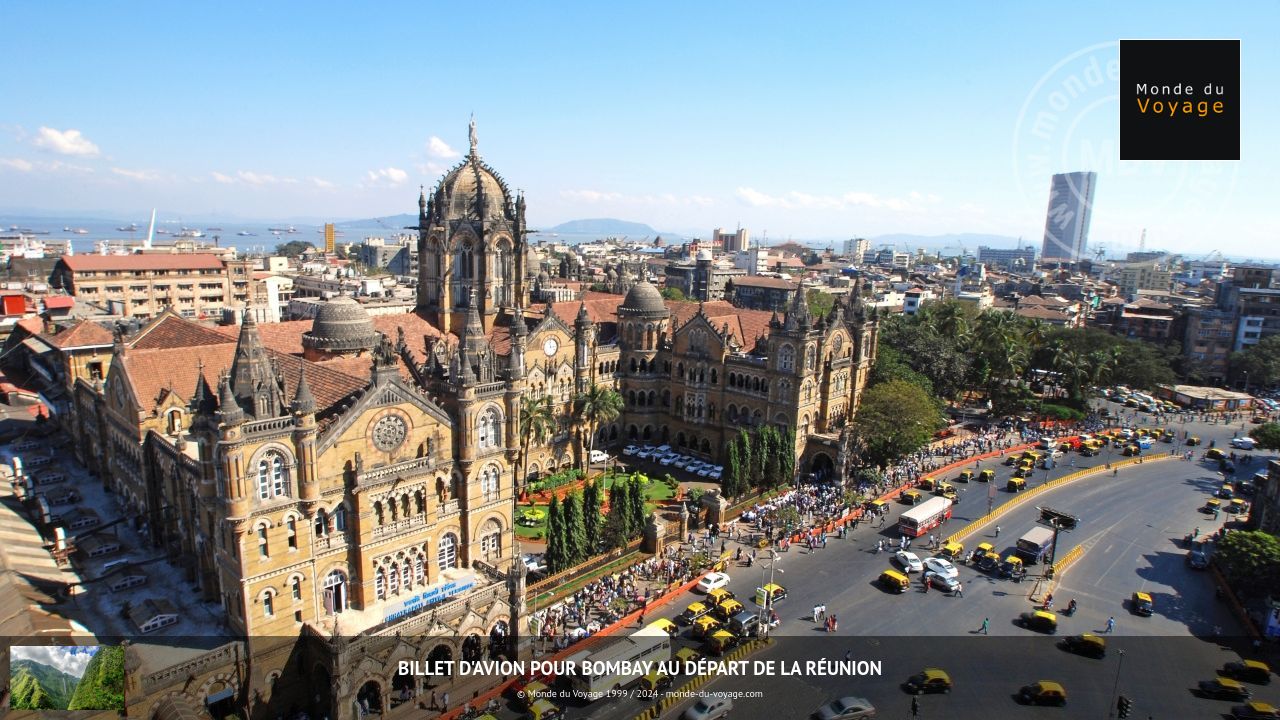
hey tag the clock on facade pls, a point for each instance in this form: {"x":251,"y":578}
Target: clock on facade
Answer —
{"x":550,"y":346}
{"x":389,"y":432}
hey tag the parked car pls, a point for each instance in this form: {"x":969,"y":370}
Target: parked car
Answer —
{"x":713,"y":581}
{"x":599,"y":456}
{"x":846,"y":708}
{"x":944,"y":583}
{"x":709,"y":708}
{"x":630,"y":450}
{"x":941,"y":566}
{"x":909,"y":561}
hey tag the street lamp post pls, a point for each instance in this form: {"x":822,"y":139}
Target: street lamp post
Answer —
{"x":1115,"y":689}
{"x":767,"y":605}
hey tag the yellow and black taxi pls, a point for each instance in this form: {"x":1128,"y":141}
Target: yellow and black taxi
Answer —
{"x":1252,"y":671}
{"x":987,"y":475}
{"x":544,"y":710}
{"x":894,"y":581}
{"x":1045,"y":692}
{"x":1193,"y":441}
{"x":687,"y":655}
{"x":770,"y":594}
{"x":695,"y":611}
{"x":1012,"y":460}
{"x":1132,"y":450}
{"x":666,"y":626}
{"x":951,"y":550}
{"x":926,"y":484}
{"x":911,"y":497}
{"x":1142,"y":604}
{"x":989,"y":561}
{"x":721,"y":642}
{"x":1016,"y":483}
{"x":1214,"y":454}
{"x":1086,"y":644}
{"x":1255,"y":711}
{"x":1224,"y":491}
{"x":728,"y":609}
{"x":1237,"y":506}
{"x":1039,"y":621}
{"x":654,"y":681}
{"x":1167,"y":436}
{"x":964,"y":476}
{"x":1022,"y":471}
{"x":1221,"y":688}
{"x":703,"y":626}
{"x":1211,"y":506}
{"x":929,"y":680}
{"x":948,"y":491}
{"x":717,"y":596}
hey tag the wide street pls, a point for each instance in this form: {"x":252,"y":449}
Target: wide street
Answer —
{"x":1131,"y":528}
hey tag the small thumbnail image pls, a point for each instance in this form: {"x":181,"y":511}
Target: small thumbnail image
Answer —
{"x":66,"y":677}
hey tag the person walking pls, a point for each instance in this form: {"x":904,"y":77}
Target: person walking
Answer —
{"x":959,"y":590}
{"x":997,"y":531}
{"x":444,"y":702}
{"x":816,"y":610}
{"x":1111,"y":624}
{"x":986,"y":626}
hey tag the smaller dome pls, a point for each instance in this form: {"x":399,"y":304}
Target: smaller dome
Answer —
{"x":341,"y":325}
{"x":644,"y":297}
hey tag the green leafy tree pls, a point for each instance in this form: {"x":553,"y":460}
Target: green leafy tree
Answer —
{"x":635,"y":508}
{"x":1250,"y":561}
{"x":557,"y":552}
{"x":746,"y":456}
{"x":596,"y":406}
{"x":592,"y":520}
{"x":820,"y":303}
{"x":787,"y":457}
{"x":673,"y":293}
{"x":575,"y":529}
{"x":760,"y":447}
{"x":1267,"y":436}
{"x":894,"y":420}
{"x":890,"y":365}
{"x":1259,"y":364}
{"x":731,"y":479}
{"x":617,"y":529}
{"x":293,"y":248}
{"x":773,"y":457}
{"x":537,"y":424}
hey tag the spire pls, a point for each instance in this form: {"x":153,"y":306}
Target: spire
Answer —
{"x":422,"y":201}
{"x":798,"y":317}
{"x":518,"y":327}
{"x":583,"y":318}
{"x":229,"y":411}
{"x":304,"y":403}
{"x":474,"y":327}
{"x":254,"y":380}
{"x":203,"y":399}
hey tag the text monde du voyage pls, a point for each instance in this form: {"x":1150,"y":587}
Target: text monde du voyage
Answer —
{"x":1179,"y":100}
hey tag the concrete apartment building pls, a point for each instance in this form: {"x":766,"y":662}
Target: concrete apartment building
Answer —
{"x":143,"y":285}
{"x":731,"y":242}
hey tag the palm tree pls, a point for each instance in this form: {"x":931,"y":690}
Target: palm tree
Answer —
{"x":537,"y":423}
{"x":597,"y":405}
{"x":949,"y":319}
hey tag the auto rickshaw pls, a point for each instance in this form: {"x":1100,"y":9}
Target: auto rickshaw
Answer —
{"x":1212,"y":506}
{"x":1132,"y":450}
{"x":987,"y":475}
{"x":703,"y":626}
{"x":666,"y":626}
{"x":770,"y":594}
{"x":947,"y":491}
{"x":1087,"y":644}
{"x":1015,"y":485}
{"x":1193,"y":441}
{"x":1012,"y":567}
{"x":1023,"y":472}
{"x":721,"y":641}
{"x":1238,"y":507}
{"x":728,"y":609}
{"x":717,"y":596}
{"x":926,"y":484}
{"x":544,"y":710}
{"x":655,"y":681}
{"x":695,"y":611}
{"x":964,"y":476}
{"x":1142,"y":604}
{"x":952,"y":550}
{"x":912,"y":497}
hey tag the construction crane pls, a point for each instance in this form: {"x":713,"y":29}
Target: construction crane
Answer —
{"x":1100,"y":253}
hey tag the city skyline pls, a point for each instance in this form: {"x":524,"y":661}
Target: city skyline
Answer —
{"x":805,"y":126}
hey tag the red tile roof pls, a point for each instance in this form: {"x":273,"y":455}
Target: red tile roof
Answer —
{"x":59,"y":302}
{"x":744,"y":325}
{"x":170,"y":330}
{"x":82,"y":334}
{"x":149,"y":261}
{"x":763,"y":281}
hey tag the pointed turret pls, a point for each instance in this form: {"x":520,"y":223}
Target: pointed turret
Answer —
{"x":798,"y":317}
{"x":203,"y":399}
{"x":254,"y":379}
{"x":304,"y":403}
{"x":229,"y":410}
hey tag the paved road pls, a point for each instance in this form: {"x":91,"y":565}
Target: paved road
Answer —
{"x":1129,"y":527}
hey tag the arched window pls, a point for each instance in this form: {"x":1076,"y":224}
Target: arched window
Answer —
{"x":273,"y":482}
{"x":810,"y":357}
{"x":786,"y":358}
{"x":489,"y":429}
{"x":418,"y":570}
{"x":269,"y":603}
{"x":465,"y":262}
{"x":263,"y":549}
{"x":713,"y":376}
{"x":291,"y":531}
{"x":335,"y":591}
{"x":296,"y":585}
{"x":491,"y":540}
{"x":393,"y":580}
{"x":322,"y":523}
{"x":447,"y":553}
{"x":380,"y":584}
{"x":340,"y":518}
{"x":489,"y":483}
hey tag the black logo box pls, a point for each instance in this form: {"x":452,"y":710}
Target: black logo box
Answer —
{"x":1154,"y":124}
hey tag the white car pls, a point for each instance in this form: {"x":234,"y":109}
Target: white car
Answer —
{"x":664,"y":449}
{"x":715,"y":474}
{"x":644,"y":453}
{"x":712,"y":707}
{"x":695,"y":466}
{"x":909,"y":561}
{"x":599,"y":456}
{"x":630,"y":450}
{"x":680,"y":461}
{"x":713,"y":581}
{"x":941,"y":566}
{"x":706,"y":471}
{"x":846,"y":708}
{"x":668,"y":459}
{"x":1243,"y":443}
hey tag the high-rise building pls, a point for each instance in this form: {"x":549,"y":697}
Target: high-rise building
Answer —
{"x":1019,"y":258}
{"x":856,"y":248}
{"x":731,"y":242}
{"x":1066,"y":225}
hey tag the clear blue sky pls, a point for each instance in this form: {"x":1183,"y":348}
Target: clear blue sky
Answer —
{"x":800,"y":120}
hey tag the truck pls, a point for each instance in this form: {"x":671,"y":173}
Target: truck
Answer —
{"x":1035,"y":544}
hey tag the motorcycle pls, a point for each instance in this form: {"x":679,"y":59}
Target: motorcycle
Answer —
{"x":1071,"y":609}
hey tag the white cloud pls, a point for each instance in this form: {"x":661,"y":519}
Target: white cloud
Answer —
{"x":390,"y":175}
{"x":322,"y":184}
{"x":224,"y":179}
{"x":136,"y":174}
{"x":259,"y":179}
{"x":796,"y":200}
{"x":69,"y":659}
{"x":590,"y":196}
{"x":65,"y":142}
{"x":16,"y":164}
{"x":438,"y":148}
{"x":659,"y":199}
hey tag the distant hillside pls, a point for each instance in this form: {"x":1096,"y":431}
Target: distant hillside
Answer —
{"x":102,"y":687}
{"x":36,"y":686}
{"x":395,"y":222}
{"x":602,"y":226}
